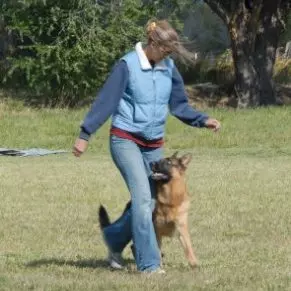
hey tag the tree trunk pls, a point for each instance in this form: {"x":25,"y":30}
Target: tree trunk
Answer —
{"x":254,"y":27}
{"x":264,"y":59}
{"x":242,"y":29}
{"x":265,"y":50}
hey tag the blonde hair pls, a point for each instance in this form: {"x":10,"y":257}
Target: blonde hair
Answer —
{"x":161,"y":33}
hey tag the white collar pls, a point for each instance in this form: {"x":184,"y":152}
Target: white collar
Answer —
{"x":144,"y":62}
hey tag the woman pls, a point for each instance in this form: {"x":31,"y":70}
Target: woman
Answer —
{"x":138,"y":92}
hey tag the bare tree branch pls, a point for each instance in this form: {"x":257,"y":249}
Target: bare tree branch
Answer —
{"x":217,"y":8}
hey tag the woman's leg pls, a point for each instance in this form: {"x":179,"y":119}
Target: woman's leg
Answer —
{"x":133,"y":165}
{"x":151,"y":155}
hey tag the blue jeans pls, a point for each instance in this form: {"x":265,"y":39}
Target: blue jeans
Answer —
{"x":133,"y":162}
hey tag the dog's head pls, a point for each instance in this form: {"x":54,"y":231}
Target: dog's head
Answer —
{"x":171,"y":167}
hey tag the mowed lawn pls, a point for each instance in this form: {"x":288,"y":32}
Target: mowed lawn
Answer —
{"x":240,"y":218}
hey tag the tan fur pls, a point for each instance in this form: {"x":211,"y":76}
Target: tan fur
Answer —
{"x":171,"y":211}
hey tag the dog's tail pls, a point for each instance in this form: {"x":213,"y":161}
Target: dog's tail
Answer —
{"x":127,"y":206}
{"x":103,"y":217}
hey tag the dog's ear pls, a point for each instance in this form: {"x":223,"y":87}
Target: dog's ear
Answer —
{"x":185,"y":160}
{"x":175,"y":155}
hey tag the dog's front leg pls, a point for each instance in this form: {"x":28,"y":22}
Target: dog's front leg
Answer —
{"x":185,"y":239}
{"x":159,"y":240}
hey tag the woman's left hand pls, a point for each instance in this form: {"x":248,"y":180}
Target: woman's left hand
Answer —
{"x":213,"y":124}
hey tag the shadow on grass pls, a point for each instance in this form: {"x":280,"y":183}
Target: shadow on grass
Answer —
{"x":89,"y":263}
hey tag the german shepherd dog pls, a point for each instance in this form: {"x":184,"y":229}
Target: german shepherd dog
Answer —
{"x":172,"y":202}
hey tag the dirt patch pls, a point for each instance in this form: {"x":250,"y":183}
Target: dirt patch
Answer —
{"x":211,"y":95}
{"x":284,"y":94}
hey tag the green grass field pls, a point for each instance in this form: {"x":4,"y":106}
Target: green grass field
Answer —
{"x":240,"y":217}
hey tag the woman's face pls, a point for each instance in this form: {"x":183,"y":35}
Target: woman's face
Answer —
{"x":157,"y":52}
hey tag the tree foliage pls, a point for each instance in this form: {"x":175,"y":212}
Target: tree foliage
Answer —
{"x":286,"y":36}
{"x":64,"y":49}
{"x":205,"y":29}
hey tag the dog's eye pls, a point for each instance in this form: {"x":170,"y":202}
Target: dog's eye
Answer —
{"x":169,"y":162}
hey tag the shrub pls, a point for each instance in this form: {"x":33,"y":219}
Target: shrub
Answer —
{"x":65,"y":49}
{"x":217,"y":69}
{"x":282,"y":71}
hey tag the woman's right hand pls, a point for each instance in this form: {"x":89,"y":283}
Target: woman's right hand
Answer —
{"x":80,"y":147}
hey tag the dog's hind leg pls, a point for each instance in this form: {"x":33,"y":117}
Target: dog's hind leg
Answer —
{"x":185,"y":239}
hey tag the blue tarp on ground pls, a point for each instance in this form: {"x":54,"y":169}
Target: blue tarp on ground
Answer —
{"x":29,"y":152}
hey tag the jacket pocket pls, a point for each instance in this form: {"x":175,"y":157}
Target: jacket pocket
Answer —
{"x":125,"y":110}
{"x":161,"y":114}
{"x":141,"y":113}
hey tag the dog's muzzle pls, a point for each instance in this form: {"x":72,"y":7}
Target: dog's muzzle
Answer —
{"x":158,"y":173}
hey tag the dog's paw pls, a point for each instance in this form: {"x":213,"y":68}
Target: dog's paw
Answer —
{"x":193,"y":263}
